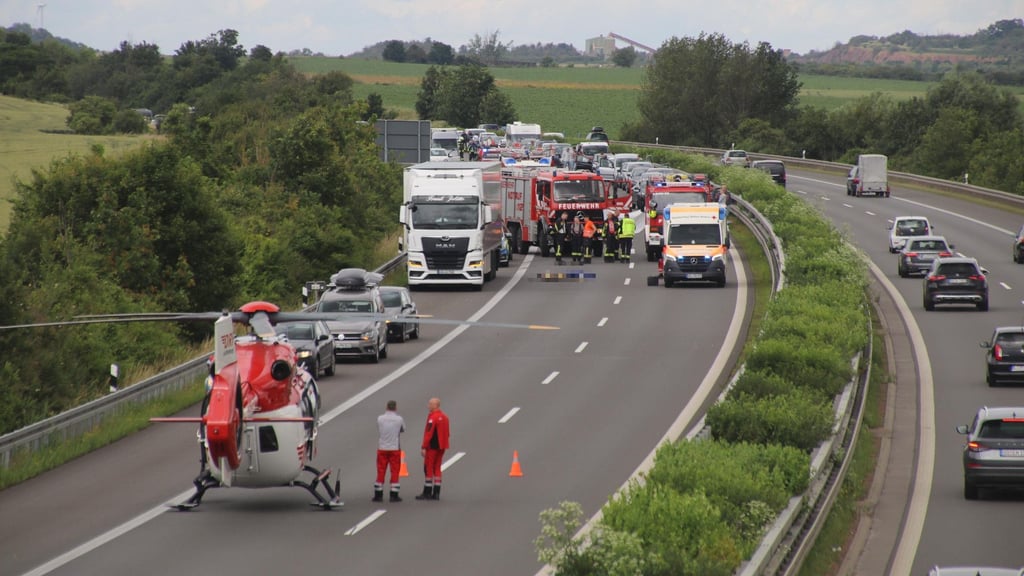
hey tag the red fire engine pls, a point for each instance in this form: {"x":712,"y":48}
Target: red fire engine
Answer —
{"x":664,"y":192}
{"x":535,"y":195}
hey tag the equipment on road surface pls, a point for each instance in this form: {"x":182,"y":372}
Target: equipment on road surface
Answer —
{"x":696,"y":244}
{"x":259,"y":420}
{"x":516,"y":471}
{"x":452,"y":218}
{"x":534,"y":197}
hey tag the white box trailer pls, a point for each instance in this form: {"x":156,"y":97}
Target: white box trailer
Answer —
{"x":869,"y":176}
{"x":453,"y":222}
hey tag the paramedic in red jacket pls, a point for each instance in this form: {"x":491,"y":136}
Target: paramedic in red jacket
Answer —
{"x":435,"y":442}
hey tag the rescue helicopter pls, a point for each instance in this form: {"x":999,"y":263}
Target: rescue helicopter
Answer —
{"x":259,"y":419}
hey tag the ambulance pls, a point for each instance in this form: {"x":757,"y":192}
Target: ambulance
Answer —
{"x":696,"y":247}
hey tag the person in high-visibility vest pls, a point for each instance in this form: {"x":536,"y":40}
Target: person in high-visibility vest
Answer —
{"x":559,"y":232}
{"x":589,"y":230}
{"x":611,"y":238}
{"x":627,"y":229}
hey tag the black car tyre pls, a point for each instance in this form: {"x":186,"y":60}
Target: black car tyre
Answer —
{"x":721,"y":283}
{"x":329,"y":371}
{"x":316,"y":368}
{"x":375,"y":357}
{"x":970,"y":490}
{"x":415,"y":335}
{"x":983,"y":305}
{"x":384,"y":351}
{"x":668,"y":283}
{"x":900,"y":271}
{"x":928,"y":304}
{"x":992,"y":382}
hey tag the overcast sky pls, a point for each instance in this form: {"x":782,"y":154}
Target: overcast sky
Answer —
{"x":344,"y":26}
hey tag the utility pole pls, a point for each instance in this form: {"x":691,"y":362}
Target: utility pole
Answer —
{"x":39,"y":10}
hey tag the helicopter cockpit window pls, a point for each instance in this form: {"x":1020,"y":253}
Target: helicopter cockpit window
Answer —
{"x":268,"y":439}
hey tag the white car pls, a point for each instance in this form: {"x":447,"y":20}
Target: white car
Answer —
{"x":903,"y":227}
{"x":736,"y":158}
{"x":438,"y":155}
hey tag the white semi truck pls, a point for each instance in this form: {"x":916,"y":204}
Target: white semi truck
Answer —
{"x":519,"y":133}
{"x":453,"y":224}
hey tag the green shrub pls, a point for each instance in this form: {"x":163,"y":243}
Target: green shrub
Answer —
{"x":815,"y":365}
{"x":129,"y":122}
{"x":759,"y":384}
{"x":685,"y":532}
{"x":797,"y":419}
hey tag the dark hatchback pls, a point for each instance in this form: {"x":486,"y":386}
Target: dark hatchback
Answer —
{"x":1004,"y":361}
{"x":775,"y":168}
{"x":993,"y":455}
{"x":314,"y":346}
{"x":956,"y":281}
{"x":918,"y":254}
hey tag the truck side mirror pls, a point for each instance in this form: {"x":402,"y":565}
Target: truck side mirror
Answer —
{"x":401,"y":216}
{"x":488,"y":215}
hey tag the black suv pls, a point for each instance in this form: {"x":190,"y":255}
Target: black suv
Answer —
{"x":956,"y":281}
{"x":775,"y":168}
{"x":1004,"y":361}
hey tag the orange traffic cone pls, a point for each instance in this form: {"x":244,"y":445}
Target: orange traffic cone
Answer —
{"x":516,"y":471}
{"x":404,"y":471}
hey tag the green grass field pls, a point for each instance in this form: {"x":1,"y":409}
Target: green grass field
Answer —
{"x":594,"y":95}
{"x":25,"y":143}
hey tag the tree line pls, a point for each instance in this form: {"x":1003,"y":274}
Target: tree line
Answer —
{"x":708,"y":91}
{"x":264,"y":179}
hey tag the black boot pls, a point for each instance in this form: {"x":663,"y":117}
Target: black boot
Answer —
{"x":394,"y":497}
{"x":378,"y":495}
{"x":428,"y":493}
{"x":437,"y":493}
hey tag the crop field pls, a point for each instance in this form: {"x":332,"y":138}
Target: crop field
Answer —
{"x":597,"y":94}
{"x":27,"y":141}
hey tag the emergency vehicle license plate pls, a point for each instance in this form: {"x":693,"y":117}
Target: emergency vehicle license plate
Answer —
{"x":449,"y":271}
{"x":694,"y":276}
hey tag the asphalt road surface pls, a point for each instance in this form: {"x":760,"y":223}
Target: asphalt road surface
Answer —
{"x":582,"y":406}
{"x":956,"y":531}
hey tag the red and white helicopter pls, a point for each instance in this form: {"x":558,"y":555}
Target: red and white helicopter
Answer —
{"x":261,"y":413}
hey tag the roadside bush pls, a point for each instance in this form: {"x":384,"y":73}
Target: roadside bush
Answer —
{"x":813,"y":365}
{"x":685,"y":532}
{"x":129,"y":122}
{"x":760,"y":384}
{"x":91,"y":115}
{"x":798,"y":419}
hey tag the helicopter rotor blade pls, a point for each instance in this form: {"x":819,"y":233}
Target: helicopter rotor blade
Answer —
{"x":418,"y":319}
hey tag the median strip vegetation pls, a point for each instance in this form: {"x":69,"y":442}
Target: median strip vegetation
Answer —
{"x":705,"y":505}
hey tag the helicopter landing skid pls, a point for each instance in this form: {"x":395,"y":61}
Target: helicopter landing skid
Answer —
{"x":333,"y":500}
{"x":203,"y":482}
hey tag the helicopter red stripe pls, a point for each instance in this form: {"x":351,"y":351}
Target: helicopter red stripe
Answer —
{"x":177,"y":420}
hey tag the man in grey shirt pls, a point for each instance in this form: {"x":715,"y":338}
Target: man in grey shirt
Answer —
{"x":389,"y":451}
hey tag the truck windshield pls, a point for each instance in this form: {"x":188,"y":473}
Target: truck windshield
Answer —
{"x":578,"y":191}
{"x":668,"y":198}
{"x":591,"y":150}
{"x":446,"y":216}
{"x":705,"y":234}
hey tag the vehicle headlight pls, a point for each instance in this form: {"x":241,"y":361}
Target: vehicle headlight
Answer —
{"x":476,"y":263}
{"x":717,"y":257}
{"x":303,"y":353}
{"x":415,"y":264}
{"x":368,"y":335}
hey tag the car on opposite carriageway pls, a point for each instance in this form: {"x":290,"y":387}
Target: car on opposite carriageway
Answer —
{"x":956,"y":281}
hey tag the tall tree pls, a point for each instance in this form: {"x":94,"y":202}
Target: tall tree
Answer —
{"x":462,"y":93}
{"x":624,"y":57}
{"x":428,"y":98}
{"x":440,"y":53}
{"x":394,"y":51}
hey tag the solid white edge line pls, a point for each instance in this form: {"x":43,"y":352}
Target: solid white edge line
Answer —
{"x":627,"y":281}
{"x":602,"y":322}
{"x":718,"y":366}
{"x":847,"y":205}
{"x":917,"y":508}
{"x":581,"y":347}
{"x":550,"y":377}
{"x":1005,"y":285}
{"x":115,"y":532}
{"x":365,"y":522}
{"x":801,"y":192}
{"x":508,"y":415}
{"x":617,"y":300}
{"x":451,"y":461}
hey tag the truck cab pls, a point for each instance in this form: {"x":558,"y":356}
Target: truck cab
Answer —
{"x":662,"y":193}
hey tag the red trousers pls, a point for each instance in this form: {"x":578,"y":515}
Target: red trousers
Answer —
{"x":386,"y":458}
{"x":432,"y":466}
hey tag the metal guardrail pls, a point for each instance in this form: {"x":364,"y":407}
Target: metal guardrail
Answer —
{"x":765,"y":233}
{"x":81,"y":419}
{"x":901,"y":177}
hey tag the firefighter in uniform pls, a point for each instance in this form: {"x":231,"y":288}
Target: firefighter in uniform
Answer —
{"x":435,"y":442}
{"x":389,"y":452}
{"x":559,"y":231}
{"x":589,"y":231}
{"x":627,"y":229}
{"x":576,"y":237}
{"x":611,"y":238}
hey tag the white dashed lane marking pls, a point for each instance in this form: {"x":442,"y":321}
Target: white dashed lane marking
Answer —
{"x":1005,"y":285}
{"x":550,"y":377}
{"x":870,"y":213}
{"x":632,"y":265}
{"x":364,"y":523}
{"x":617,"y":300}
{"x":626,"y":281}
{"x":602,"y":322}
{"x":582,"y":347}
{"x":451,"y":461}
{"x":508,"y":415}
{"x":847,"y":205}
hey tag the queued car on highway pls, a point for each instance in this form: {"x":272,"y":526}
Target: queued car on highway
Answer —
{"x":439,"y":155}
{"x":313,"y":343}
{"x":775,"y":168}
{"x":1004,"y":359}
{"x":355,"y":293}
{"x":975,"y":571}
{"x":398,"y":302}
{"x":917,"y":255}
{"x":956,"y":281}
{"x":735,"y":158}
{"x":1018,"y":247}
{"x":505,"y":251}
{"x":993,"y":456}
{"x":902,"y":228}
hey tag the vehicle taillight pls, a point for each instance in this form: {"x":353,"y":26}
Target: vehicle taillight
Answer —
{"x":977,"y":277}
{"x":911,"y":254}
{"x":976,"y":447}
{"x":997,"y":352}
{"x":936,"y":278}
{"x":945,"y":254}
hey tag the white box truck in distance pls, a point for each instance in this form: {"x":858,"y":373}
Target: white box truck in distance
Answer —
{"x":452,"y":217}
{"x":869,"y":176}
